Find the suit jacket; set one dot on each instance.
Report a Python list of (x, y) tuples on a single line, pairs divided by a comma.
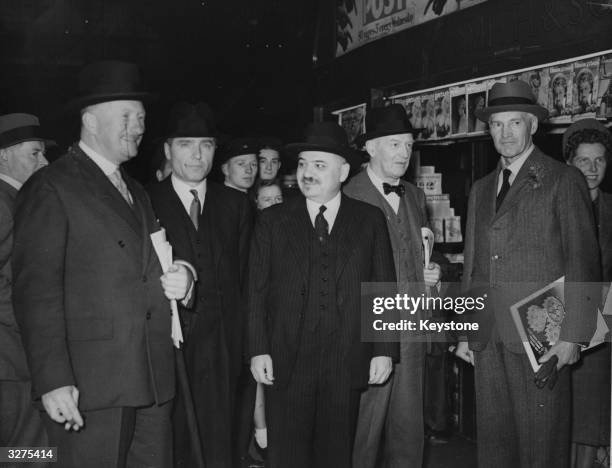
[(226, 220), (13, 364), (361, 188), (279, 276), (605, 235), (543, 230), (87, 292)]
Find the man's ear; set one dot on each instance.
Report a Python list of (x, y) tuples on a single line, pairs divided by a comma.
[(225, 169), (344, 171), (90, 122), (159, 175), (370, 147), (534, 124), (4, 154), (167, 151)]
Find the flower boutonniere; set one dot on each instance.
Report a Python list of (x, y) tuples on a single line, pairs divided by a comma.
[(536, 175)]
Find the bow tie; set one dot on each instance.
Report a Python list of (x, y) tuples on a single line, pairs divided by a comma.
[(399, 189)]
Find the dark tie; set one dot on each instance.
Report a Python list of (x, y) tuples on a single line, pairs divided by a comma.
[(399, 189), (504, 189), (194, 208), (321, 226)]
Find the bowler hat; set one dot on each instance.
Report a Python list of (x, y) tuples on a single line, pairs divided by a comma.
[(17, 128), (328, 137), (385, 121), (583, 124), (191, 121), (514, 96), (109, 80), (237, 147)]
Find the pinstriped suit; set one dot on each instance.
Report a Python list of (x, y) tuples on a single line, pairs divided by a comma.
[(543, 230), (281, 273)]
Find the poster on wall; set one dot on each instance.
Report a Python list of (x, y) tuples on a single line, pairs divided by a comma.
[(359, 22), (352, 119), (442, 108), (586, 84), (428, 122), (539, 80), (459, 118), (476, 100), (560, 104), (604, 94)]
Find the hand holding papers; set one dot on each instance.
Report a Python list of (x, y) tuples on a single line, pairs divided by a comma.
[(163, 249)]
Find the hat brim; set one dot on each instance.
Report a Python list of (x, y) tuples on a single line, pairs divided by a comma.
[(361, 139), (540, 112), (10, 143), (83, 101), (353, 157)]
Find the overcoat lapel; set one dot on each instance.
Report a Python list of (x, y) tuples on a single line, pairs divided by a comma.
[(346, 230), (213, 211), (299, 229)]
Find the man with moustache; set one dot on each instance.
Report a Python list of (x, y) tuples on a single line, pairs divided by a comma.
[(89, 292), (308, 259), (238, 164), (22, 152), (209, 226), (529, 223), (393, 412)]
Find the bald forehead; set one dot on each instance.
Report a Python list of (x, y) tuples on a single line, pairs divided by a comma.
[(512, 115)]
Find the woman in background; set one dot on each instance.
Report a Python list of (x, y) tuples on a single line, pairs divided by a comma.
[(587, 145)]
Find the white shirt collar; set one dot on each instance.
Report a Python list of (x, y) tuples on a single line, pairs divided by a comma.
[(230, 185), (330, 213), (516, 165), (104, 164), (12, 182), (392, 198), (183, 190)]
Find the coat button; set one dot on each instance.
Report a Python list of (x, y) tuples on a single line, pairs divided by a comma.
[(148, 315), (144, 279)]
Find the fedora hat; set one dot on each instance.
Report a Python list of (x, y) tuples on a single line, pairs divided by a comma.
[(583, 124), (191, 121), (328, 137), (238, 147), (109, 80), (514, 96), (17, 128), (385, 121)]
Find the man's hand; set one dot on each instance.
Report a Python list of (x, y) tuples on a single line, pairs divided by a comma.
[(567, 353), (261, 368), (464, 352), (380, 369), (176, 281), (62, 404), (432, 274)]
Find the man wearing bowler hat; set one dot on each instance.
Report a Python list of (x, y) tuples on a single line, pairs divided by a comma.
[(393, 412), (22, 152), (210, 226), (90, 295), (530, 222), (308, 259)]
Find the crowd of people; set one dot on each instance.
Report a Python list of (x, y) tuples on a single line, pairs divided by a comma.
[(269, 350)]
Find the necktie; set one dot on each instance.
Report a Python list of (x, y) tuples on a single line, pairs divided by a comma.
[(119, 184), (504, 189), (321, 226), (399, 189), (194, 208)]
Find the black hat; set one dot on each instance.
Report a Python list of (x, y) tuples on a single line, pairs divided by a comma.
[(385, 121), (512, 96), (328, 137), (237, 147), (109, 80), (191, 121), (272, 143), (17, 128)]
